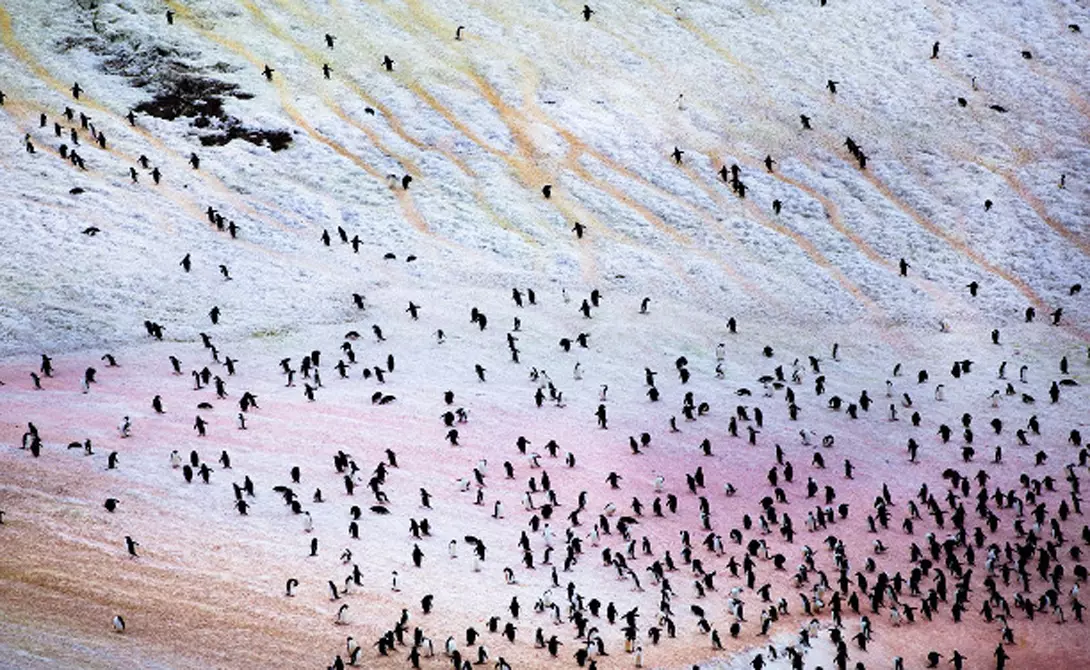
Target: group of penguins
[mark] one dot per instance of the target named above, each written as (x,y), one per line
(1015,540)
(977,548)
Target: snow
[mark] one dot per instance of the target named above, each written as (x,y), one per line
(531,95)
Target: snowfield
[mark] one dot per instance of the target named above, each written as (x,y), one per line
(532,96)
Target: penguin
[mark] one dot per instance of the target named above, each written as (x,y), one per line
(388,63)
(119,623)
(111,504)
(131,545)
(458,33)
(587,13)
(342,617)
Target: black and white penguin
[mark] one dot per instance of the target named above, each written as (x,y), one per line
(342,616)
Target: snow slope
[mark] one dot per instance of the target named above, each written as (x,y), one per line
(532,95)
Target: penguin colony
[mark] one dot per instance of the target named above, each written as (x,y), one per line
(757,499)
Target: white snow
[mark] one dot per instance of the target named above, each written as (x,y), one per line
(532,95)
